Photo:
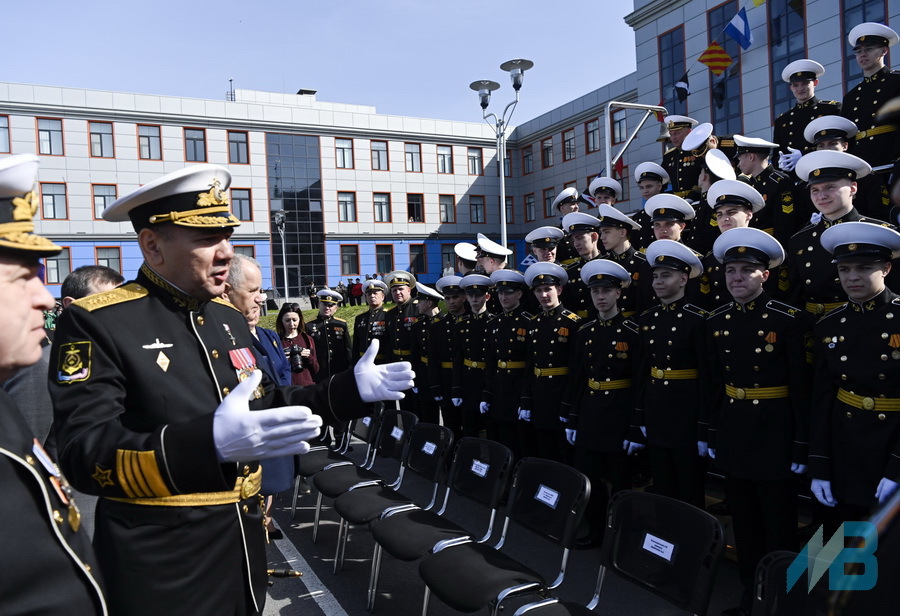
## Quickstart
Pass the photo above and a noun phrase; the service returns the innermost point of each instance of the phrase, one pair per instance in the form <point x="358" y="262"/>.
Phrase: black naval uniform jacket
<point x="400" y="319"/>
<point x="684" y="171"/>
<point x="877" y="144"/>
<point x="470" y="358"/>
<point x="637" y="296"/>
<point x="506" y="357"/>
<point x="604" y="384"/>
<point x="576" y="296"/>
<point x="760" y="344"/>
<point x="705" y="227"/>
<point x="565" y="251"/>
<point x="441" y="341"/>
<point x="136" y="374"/>
<point x="854" y="441"/>
<point x="674" y="409"/>
<point x="332" y="340"/>
<point x="48" y="565"/>
<point x="789" y="126"/>
<point x="368" y="326"/>
<point x="781" y="217"/>
<point x="550" y="350"/>
<point x="419" y="358"/>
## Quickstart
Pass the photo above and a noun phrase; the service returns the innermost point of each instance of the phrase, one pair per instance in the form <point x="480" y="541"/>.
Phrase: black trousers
<point x="600" y="467"/>
<point x="677" y="473"/>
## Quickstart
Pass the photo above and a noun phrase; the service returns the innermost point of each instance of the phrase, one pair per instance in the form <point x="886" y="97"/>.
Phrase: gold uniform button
<point x="246" y="470"/>
<point x="29" y="459"/>
<point x="58" y="517"/>
<point x="881" y="416"/>
<point x="214" y="354"/>
<point x="200" y="320"/>
<point x="246" y="509"/>
<point x="225" y="391"/>
<point x="87" y="568"/>
<point x="849" y="415"/>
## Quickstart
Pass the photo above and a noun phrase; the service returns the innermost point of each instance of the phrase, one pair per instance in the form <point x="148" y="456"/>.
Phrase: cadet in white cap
<point x="651" y="179"/>
<point x="491" y="256"/>
<point x="761" y="385"/>
<point x="832" y="179"/>
<point x="854" y="450"/>
<point x="876" y="142"/>
<point x="716" y="166"/>
<point x="700" y="140"/>
<point x="372" y="323"/>
<point x="469" y="353"/>
<point x="544" y="241"/>
<point x="50" y="567"/>
<point x="614" y="230"/>
<point x="567" y="202"/>
<point x="781" y="217"/>
<point x="605" y="190"/>
<point x="441" y="336"/>
<point x="803" y="77"/>
<point x="549" y="340"/>
<point x="669" y="215"/>
<point x="162" y="434"/>
<point x="682" y="167"/>
<point x="835" y="133"/>
<point x="427" y="303"/>
<point x="506" y="360"/>
<point x="584" y="231"/>
<point x="605" y="376"/>
<point x="466" y="257"/>
<point x="674" y="405"/>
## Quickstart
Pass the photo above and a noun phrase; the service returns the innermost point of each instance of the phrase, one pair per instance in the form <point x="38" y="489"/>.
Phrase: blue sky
<point x="405" y="57"/>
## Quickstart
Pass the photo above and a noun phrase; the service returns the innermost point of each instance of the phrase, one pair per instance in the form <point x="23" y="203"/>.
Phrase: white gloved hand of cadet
<point x="456" y="401"/>
<point x="631" y="448"/>
<point x="821" y="489"/>
<point x="242" y="434"/>
<point x="524" y="414"/>
<point x="383" y="381"/>
<point x="571" y="435"/>
<point x="702" y="449"/>
<point x="885" y="490"/>
<point x="484" y="407"/>
<point x="787" y="162"/>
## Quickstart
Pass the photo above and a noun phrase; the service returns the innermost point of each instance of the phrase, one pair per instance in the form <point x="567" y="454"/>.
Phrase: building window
<point x="671" y="69"/>
<point x="58" y="267"/>
<point x="241" y="205"/>
<point x="247" y="251"/>
<point x="549" y="196"/>
<point x="569" y="144"/>
<point x="413" y="157"/>
<point x="50" y="137"/>
<point x="476" y="209"/>
<point x="195" y="145"/>
<point x="787" y="42"/>
<point x="546" y="153"/>
<point x="448" y="256"/>
<point x="725" y="90"/>
<point x="625" y="180"/>
<point x="149" y="143"/>
<point x="343" y="153"/>
<point x="349" y="259"/>
<point x="380" y="155"/>
<point x="574" y="184"/>
<point x="111" y="257"/>
<point x="445" y="159"/>
<point x="238" y="152"/>
<point x="346" y="207"/>
<point x="415" y="208"/>
<point x="529" y="207"/>
<point x="592" y="135"/>
<point x="104" y="195"/>
<point x="101" y="139"/>
<point x="417" y="261"/>
<point x="855" y="12"/>
<point x="527" y="160"/>
<point x="384" y="258"/>
<point x="53" y="199"/>
<point x="510" y="210"/>
<point x="475" y="166"/>
<point x="619" y="126"/>
<point x="507" y="166"/>
<point x="511" y="259"/>
<point x="447" y="207"/>
<point x="382" y="207"/>
<point x="4" y="134"/>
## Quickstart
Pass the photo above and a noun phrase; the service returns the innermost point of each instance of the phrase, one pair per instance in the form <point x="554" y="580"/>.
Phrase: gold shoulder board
<point x="118" y="295"/>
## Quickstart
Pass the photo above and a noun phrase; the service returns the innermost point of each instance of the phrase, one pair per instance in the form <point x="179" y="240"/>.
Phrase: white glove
<point x="815" y="218"/>
<point x="886" y="489"/>
<point x="439" y="398"/>
<point x="712" y="452"/>
<point x="415" y="390"/>
<point x="242" y="434"/>
<point x="631" y="448"/>
<point x="382" y="382"/>
<point x="456" y="401"/>
<point x="524" y="414"/>
<point x="798" y="468"/>
<point x="702" y="449"/>
<point x="564" y="419"/>
<point x="787" y="162"/>
<point x="484" y="407"/>
<point x="570" y="436"/>
<point x="644" y="431"/>
<point x="821" y="489"/>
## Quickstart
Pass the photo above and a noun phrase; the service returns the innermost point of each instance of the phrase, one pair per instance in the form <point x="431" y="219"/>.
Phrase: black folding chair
<point x="393" y="432"/>
<point x="771" y="597"/>
<point x="547" y="498"/>
<point x="661" y="544"/>
<point x="425" y="455"/>
<point x="478" y="475"/>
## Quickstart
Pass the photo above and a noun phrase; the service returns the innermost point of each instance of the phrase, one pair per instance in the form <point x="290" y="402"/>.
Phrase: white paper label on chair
<point x="547" y="496"/>
<point x="366" y="420"/>
<point x="480" y="468"/>
<point x="397" y="433"/>
<point x="657" y="546"/>
<point x="429" y="448"/>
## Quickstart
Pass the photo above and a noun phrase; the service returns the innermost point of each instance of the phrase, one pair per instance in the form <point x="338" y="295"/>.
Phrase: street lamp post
<point x="279" y="217"/>
<point x="484" y="87"/>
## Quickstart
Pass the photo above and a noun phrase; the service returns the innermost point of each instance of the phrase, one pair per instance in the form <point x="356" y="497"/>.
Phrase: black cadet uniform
<point x="576" y="296"/>
<point x="469" y="362"/>
<point x="684" y="171"/>
<point x="400" y="320"/>
<point x="780" y="217"/>
<point x="429" y="409"/>
<point x="136" y="374"/>
<point x="332" y="338"/>
<point x="877" y="144"/>
<point x="369" y="326"/>
<point x="789" y="126"/>
<point x="441" y="341"/>
<point x="638" y="296"/>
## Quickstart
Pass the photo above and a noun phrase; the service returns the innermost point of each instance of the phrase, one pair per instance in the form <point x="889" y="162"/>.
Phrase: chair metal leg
<point x="296" y="494"/>
<point x="425" y="601"/>
<point x="343" y="529"/>
<point x="373" y="577"/>
<point x="316" y="521"/>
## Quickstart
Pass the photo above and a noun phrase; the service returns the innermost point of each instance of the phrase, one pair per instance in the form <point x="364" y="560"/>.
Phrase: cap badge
<point x="817" y="172"/>
<point x="25" y="207"/>
<point x="851" y="247"/>
<point x="742" y="249"/>
<point x="215" y="196"/>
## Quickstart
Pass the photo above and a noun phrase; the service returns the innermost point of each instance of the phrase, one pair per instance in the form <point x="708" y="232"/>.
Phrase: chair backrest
<point x="480" y="470"/>
<point x="427" y="450"/>
<point x="771" y="596"/>
<point x="665" y="545"/>
<point x="394" y="432"/>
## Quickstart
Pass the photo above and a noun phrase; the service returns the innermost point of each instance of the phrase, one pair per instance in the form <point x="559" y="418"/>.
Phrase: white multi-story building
<point x="364" y="192"/>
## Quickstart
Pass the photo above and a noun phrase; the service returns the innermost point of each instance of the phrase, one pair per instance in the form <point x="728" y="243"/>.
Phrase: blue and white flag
<point x="527" y="261"/>
<point x="739" y="29"/>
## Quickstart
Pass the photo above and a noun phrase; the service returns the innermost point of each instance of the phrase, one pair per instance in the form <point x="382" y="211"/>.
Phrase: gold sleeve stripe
<point x="139" y="475"/>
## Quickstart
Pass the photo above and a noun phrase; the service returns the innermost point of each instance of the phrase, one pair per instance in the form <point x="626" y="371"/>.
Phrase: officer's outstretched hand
<point x="886" y="489"/>
<point x="242" y="434"/>
<point x="631" y="448"/>
<point x="821" y="489"/>
<point x="484" y="407"/>
<point x="382" y="382"/>
<point x="571" y="435"/>
<point x="702" y="448"/>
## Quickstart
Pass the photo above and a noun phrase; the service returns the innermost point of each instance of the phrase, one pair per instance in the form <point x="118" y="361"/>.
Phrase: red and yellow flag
<point x="716" y="58"/>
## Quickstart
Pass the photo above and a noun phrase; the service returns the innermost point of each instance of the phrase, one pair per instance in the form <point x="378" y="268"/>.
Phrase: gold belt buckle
<point x="502" y="364"/>
<point x="537" y="372"/>
<point x="659" y="373"/>
<point x="740" y="393"/>
<point x="868" y="403"/>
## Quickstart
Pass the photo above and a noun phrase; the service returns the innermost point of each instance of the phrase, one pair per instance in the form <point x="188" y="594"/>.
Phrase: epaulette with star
<point x="781" y="307"/>
<point x="839" y="310"/>
<point x="571" y="315"/>
<point x="126" y="293"/>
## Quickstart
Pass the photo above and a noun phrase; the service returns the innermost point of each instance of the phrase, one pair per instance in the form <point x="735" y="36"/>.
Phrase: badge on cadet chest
<point x="243" y="362"/>
<point x="162" y="360"/>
